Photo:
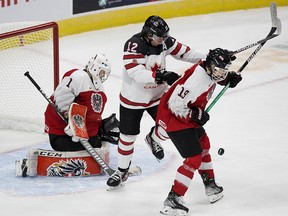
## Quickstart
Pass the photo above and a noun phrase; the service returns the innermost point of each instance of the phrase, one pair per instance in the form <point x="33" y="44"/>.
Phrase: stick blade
<point x="279" y="26"/>
<point x="276" y="22"/>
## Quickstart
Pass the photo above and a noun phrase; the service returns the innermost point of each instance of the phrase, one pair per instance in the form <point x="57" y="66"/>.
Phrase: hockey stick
<point x="253" y="44"/>
<point x="276" y="25"/>
<point x="109" y="171"/>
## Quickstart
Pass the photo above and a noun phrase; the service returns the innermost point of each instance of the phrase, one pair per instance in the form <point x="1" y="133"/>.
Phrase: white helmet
<point x="99" y="67"/>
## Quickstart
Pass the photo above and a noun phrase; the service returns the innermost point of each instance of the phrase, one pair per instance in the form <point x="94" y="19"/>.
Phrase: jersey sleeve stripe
<point x="131" y="103"/>
<point x="177" y="49"/>
<point x="186" y="51"/>
<point x="130" y="65"/>
<point x="133" y="56"/>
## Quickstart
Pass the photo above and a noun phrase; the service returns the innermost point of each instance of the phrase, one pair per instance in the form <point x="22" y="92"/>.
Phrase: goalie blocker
<point x="76" y="128"/>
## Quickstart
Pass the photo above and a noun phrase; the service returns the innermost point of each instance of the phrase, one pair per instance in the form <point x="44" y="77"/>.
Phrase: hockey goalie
<point x="80" y="97"/>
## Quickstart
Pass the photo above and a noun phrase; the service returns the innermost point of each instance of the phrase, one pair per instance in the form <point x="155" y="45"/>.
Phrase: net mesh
<point x="22" y="106"/>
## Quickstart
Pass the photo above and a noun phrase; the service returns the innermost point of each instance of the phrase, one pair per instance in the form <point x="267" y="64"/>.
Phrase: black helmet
<point x="155" y="25"/>
<point x="218" y="62"/>
<point x="219" y="57"/>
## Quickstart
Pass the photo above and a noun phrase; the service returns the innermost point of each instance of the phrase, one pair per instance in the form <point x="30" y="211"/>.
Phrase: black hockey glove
<point x="199" y="116"/>
<point x="233" y="78"/>
<point x="169" y="77"/>
<point x="229" y="53"/>
<point x="233" y="57"/>
<point x="110" y="129"/>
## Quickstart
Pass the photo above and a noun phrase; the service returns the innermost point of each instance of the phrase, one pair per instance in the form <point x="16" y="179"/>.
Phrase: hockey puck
<point x="221" y="151"/>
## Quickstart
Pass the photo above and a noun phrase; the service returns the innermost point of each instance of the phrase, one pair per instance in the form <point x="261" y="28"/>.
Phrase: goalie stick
<point x="276" y="26"/>
<point x="108" y="170"/>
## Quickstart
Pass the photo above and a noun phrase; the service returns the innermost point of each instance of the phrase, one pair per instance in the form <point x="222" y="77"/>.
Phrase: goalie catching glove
<point x="168" y="77"/>
<point x="110" y="129"/>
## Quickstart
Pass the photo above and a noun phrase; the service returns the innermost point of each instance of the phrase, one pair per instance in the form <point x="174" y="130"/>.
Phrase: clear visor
<point x="103" y="75"/>
<point x="219" y="74"/>
<point x="159" y="39"/>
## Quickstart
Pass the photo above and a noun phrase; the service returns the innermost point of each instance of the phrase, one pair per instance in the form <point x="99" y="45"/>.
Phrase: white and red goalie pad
<point x="67" y="164"/>
<point x="64" y="164"/>
<point x="77" y="120"/>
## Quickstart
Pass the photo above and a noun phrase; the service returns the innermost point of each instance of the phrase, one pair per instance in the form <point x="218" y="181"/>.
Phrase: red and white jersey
<point x="141" y="60"/>
<point x="194" y="89"/>
<point x="76" y="86"/>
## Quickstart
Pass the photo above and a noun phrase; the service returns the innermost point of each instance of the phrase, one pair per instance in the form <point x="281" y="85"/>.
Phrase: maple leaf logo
<point x="154" y="68"/>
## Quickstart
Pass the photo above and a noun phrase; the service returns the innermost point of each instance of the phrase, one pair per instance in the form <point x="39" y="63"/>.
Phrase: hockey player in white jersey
<point x="182" y="114"/>
<point x="144" y="81"/>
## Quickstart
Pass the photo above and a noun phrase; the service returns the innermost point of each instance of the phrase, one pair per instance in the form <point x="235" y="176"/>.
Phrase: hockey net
<point x="32" y="47"/>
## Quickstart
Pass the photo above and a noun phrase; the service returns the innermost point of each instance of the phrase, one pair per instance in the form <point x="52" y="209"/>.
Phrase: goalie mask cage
<point x="32" y="47"/>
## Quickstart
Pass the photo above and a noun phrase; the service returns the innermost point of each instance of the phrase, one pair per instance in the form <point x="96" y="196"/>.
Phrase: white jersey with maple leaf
<point x="141" y="60"/>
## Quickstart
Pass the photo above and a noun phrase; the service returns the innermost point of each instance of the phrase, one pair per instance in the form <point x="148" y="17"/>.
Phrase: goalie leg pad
<point x="68" y="164"/>
<point x="27" y="166"/>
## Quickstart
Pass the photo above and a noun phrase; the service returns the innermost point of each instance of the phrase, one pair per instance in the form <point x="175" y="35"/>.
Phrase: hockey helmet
<point x="217" y="62"/>
<point x="155" y="26"/>
<point x="99" y="67"/>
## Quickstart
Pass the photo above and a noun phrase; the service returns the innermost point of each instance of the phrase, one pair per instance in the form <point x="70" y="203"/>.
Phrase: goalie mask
<point x="156" y="29"/>
<point x="99" y="67"/>
<point x="217" y="63"/>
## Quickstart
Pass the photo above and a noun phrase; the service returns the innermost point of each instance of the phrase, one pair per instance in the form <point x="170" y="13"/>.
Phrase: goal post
<point x="32" y="47"/>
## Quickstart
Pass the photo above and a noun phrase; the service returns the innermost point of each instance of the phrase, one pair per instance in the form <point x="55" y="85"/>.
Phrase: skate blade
<point x="115" y="188"/>
<point x="159" y="160"/>
<point x="215" y="197"/>
<point x="167" y="210"/>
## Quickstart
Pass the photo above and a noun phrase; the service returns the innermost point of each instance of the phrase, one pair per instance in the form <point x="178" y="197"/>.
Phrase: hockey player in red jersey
<point x="82" y="86"/>
<point x="182" y="114"/>
<point x="144" y="81"/>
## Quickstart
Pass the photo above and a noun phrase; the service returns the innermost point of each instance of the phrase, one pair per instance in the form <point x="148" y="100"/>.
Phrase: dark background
<point x="82" y="6"/>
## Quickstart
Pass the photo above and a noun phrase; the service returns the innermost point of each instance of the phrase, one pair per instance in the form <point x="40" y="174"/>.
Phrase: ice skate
<point x="212" y="190"/>
<point x="173" y="205"/>
<point x="116" y="180"/>
<point x="155" y="147"/>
